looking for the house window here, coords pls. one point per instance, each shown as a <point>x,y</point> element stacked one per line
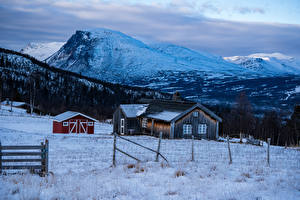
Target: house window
<point>187,129</point>
<point>144,122</point>
<point>202,129</point>
<point>90,123</point>
<point>65,124</point>
<point>195,114</point>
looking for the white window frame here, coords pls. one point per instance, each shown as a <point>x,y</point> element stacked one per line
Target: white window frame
<point>122,126</point>
<point>195,114</point>
<point>65,123</point>
<point>187,129</point>
<point>202,129</point>
<point>144,122</point>
<point>90,123</point>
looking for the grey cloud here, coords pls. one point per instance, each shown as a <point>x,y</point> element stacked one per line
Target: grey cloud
<point>59,22</point>
<point>248,10</point>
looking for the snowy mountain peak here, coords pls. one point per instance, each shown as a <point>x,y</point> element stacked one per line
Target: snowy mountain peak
<point>274,63</point>
<point>41,51</point>
<point>113,56</point>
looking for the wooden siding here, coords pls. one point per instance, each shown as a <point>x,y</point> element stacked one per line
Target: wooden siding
<point>131,125</point>
<point>202,118</point>
<point>158,126</point>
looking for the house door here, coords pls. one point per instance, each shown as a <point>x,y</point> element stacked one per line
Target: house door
<point>122,126</point>
<point>83,127</point>
<point>73,126</point>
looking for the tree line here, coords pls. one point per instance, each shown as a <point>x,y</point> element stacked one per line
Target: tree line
<point>283,128</point>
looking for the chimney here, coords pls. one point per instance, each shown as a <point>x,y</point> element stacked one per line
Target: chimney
<point>176,96</point>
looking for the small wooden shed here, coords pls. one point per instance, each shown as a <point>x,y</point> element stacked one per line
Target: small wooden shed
<point>73,122</point>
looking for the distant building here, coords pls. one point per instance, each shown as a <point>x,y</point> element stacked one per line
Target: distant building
<point>174,118</point>
<point>73,122</point>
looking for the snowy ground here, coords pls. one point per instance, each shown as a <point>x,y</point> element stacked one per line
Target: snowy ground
<point>81,166</point>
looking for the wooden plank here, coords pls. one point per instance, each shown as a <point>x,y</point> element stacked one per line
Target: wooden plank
<point>22,167</point>
<point>22,160</point>
<point>20,147</point>
<point>21,153</point>
<point>46,156</point>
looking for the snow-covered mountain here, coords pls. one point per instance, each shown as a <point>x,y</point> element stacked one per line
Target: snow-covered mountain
<point>113,56</point>
<point>41,51</point>
<point>274,63</point>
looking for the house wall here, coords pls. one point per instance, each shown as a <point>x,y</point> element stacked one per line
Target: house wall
<point>131,125</point>
<point>194,121</point>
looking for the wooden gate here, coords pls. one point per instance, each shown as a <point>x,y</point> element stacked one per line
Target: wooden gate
<point>30,155</point>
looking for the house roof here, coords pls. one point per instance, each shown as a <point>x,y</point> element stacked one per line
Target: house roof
<point>133,110</point>
<point>167,110</point>
<point>203,108</point>
<point>69,114</point>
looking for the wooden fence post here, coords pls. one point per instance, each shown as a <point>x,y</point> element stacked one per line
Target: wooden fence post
<point>158,147</point>
<point>46,156</point>
<point>192,148</point>
<point>230,158</point>
<point>43,157</point>
<point>268,151</point>
<point>0,157</point>
<point>114,150</point>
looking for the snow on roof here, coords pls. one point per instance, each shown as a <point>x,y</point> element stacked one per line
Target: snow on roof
<point>68,115</point>
<point>164,115</point>
<point>133,110</point>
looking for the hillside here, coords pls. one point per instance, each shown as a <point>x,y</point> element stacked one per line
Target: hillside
<point>81,167</point>
<point>55,90</point>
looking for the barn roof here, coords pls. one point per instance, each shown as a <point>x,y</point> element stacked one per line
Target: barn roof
<point>133,110</point>
<point>69,114</point>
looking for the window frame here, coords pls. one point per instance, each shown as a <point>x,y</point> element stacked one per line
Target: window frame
<point>90,124</point>
<point>144,122</point>
<point>202,128</point>
<point>65,123</point>
<point>195,114</point>
<point>187,129</point>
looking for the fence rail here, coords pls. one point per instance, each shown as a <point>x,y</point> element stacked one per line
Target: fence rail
<point>115,148</point>
<point>8,155</point>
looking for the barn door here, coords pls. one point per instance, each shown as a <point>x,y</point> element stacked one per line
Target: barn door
<point>72,126</point>
<point>82,127</point>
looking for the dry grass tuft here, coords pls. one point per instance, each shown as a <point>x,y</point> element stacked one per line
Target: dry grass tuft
<point>247,175</point>
<point>179,173</point>
<point>171,193</point>
<point>130,166</point>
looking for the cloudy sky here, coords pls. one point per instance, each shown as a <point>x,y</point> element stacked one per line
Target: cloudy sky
<point>227,28</point>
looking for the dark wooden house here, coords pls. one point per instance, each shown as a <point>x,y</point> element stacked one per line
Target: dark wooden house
<point>175,119</point>
<point>73,122</point>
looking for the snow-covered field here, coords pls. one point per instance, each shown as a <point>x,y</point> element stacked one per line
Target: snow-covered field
<point>81,166</point>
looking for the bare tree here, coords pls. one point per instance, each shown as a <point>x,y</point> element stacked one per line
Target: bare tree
<point>244,119</point>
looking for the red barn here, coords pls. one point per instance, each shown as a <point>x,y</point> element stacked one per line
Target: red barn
<point>73,122</point>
